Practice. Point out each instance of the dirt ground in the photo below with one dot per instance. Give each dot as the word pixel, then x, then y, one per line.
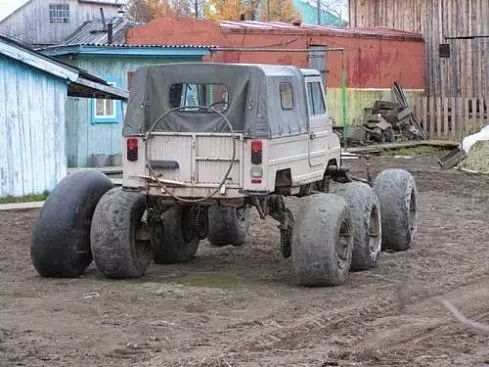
pixel 241 307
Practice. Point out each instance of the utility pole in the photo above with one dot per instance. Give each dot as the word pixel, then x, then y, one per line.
pixel 268 10
pixel 196 8
pixel 319 11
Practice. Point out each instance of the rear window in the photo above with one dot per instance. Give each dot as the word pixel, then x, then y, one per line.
pixel 286 96
pixel 189 95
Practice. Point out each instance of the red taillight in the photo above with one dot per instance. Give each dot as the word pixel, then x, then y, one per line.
pixel 256 151
pixel 132 149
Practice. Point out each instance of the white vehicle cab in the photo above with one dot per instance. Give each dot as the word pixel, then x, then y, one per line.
pixel 203 143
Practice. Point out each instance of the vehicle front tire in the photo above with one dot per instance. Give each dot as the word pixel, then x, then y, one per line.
pixel 61 240
pixel 366 224
pixel 228 226
pixel 175 238
pixel 398 196
pixel 120 237
pixel 322 242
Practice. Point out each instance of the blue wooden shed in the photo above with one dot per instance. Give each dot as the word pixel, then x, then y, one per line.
pixel 94 127
pixel 33 93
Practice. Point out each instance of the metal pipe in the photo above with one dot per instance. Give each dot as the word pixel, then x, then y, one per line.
pixel 343 97
pixel 102 16
pixel 110 34
pixel 319 11
pixel 252 49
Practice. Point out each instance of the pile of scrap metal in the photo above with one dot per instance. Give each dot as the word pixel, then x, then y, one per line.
pixel 386 122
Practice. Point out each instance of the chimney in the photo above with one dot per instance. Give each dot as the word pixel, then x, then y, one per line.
pixel 110 34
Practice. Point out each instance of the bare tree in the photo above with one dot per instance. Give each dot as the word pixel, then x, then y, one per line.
pixel 336 7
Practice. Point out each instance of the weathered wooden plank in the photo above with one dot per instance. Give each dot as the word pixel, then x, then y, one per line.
pixel 466 116
pixel 453 117
pixel 13 141
pixel 460 117
pixel 439 117
pixel 446 131
pixel 388 146
pixel 4 164
pixel 425 115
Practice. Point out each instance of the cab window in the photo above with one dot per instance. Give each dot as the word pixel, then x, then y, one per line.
pixel 315 99
pixel 286 96
pixel 190 95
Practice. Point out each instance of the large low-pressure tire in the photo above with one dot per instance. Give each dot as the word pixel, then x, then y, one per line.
pixel 366 224
pixel 322 242
pixel 120 240
pixel 228 226
pixel 61 240
pixel 175 238
pixel 397 194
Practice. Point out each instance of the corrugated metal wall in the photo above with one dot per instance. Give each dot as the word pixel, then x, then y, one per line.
pixel 32 129
pixel 85 138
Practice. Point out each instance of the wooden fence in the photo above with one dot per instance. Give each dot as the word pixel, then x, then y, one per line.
pixel 450 118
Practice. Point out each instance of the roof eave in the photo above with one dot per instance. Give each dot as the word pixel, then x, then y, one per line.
pixel 38 62
pixel 126 51
pixel 85 88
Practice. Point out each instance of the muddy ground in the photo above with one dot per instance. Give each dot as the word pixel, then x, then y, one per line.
pixel 241 307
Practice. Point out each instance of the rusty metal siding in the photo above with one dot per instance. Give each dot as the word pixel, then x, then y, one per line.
pixel 375 57
pixel 30 23
pixel 32 129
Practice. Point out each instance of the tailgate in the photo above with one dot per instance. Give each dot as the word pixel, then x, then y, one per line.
pixel 197 159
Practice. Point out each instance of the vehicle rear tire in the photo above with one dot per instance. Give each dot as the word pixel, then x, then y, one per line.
pixel 228 226
pixel 61 240
pixel 121 245
pixel 175 238
pixel 366 224
pixel 396 190
pixel 322 242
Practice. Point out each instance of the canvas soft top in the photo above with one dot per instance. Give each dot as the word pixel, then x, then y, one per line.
pixel 255 108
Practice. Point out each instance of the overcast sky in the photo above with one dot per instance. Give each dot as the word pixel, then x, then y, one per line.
pixel 8 6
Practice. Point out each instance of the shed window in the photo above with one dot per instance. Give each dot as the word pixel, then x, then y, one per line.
pixel 286 96
pixel 59 13
pixel 105 110
pixel 189 94
pixel 316 99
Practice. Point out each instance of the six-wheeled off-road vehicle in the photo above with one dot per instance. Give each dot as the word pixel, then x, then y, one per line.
pixel 203 144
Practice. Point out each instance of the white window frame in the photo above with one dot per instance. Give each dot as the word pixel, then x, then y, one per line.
pixel 58 13
pixel 114 107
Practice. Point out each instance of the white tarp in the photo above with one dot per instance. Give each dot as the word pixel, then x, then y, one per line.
pixel 470 140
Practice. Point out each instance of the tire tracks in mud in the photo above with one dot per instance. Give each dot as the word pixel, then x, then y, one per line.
pixel 348 333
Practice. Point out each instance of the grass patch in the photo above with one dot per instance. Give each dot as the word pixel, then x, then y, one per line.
pixel 417 150
pixel 24 199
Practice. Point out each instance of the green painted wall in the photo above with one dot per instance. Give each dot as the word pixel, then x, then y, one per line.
pixel 357 100
pixel 85 138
